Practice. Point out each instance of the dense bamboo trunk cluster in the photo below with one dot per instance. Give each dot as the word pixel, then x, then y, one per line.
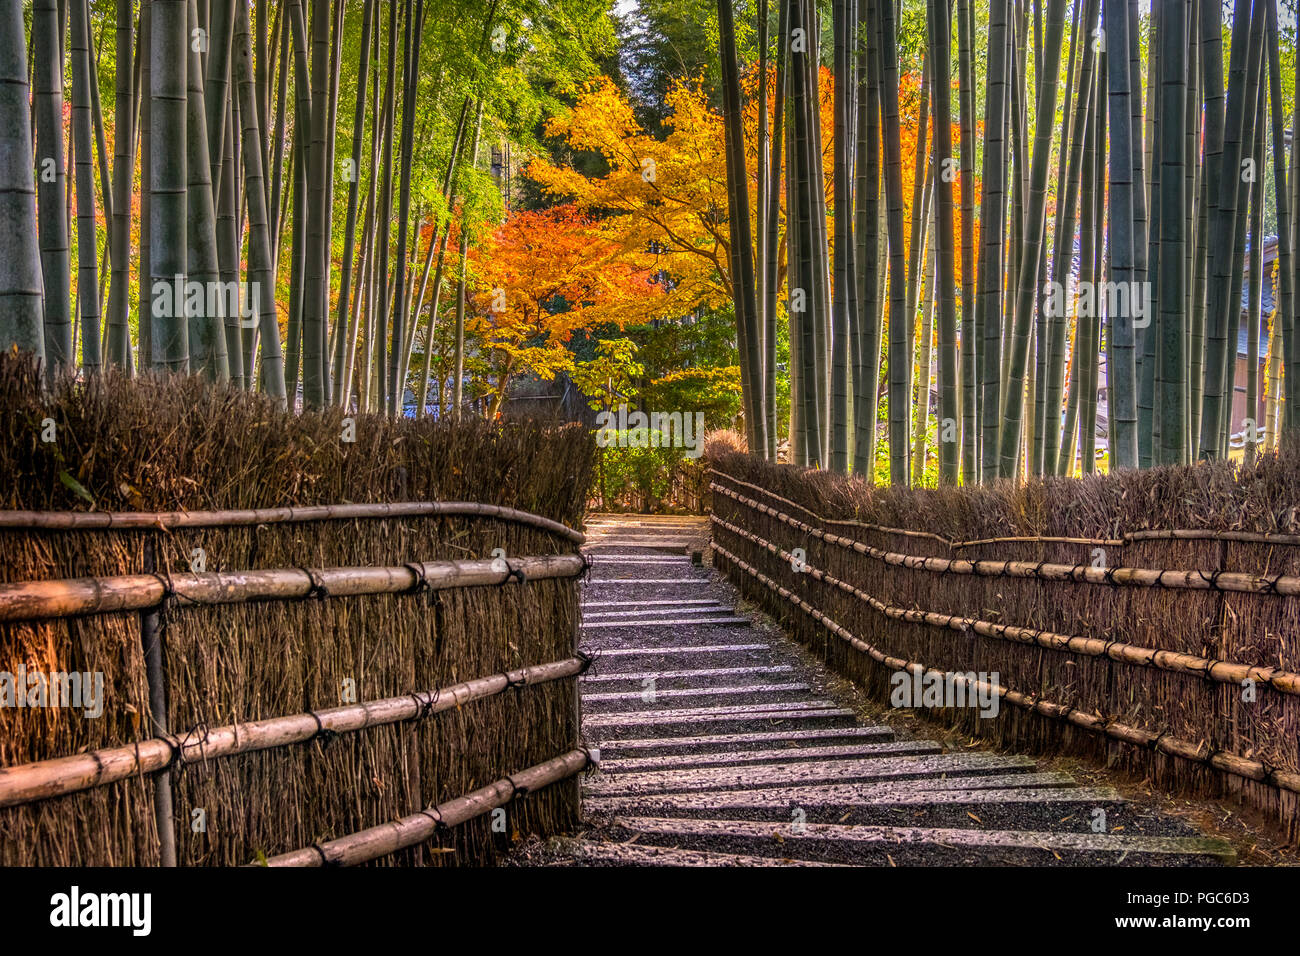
pixel 1123 249
pixel 227 112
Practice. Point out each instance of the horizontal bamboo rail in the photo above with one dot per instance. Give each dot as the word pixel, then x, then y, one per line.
pixel 866 526
pixel 62 775
pixel 1197 753
pixel 372 843
pixel 1236 581
pixel 40 600
pixel 1174 534
pixel 166 520
pixel 1225 672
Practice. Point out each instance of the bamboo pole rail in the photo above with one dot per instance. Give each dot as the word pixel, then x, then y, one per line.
pixel 397 835
pixel 62 775
pixel 1225 672
pixel 1197 753
pixel 40 600
pixel 167 520
pixel 1174 534
pixel 1236 581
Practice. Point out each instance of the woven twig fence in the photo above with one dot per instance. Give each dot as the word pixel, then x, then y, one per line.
pixel 348 530
pixel 160 756
pixel 1175 652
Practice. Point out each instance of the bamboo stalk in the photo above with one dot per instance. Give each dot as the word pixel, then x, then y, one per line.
pixel 390 837
pixel 42 600
pixel 155 675
pixel 61 775
pixel 1227 672
pixel 118 520
pixel 1230 763
pixel 1237 581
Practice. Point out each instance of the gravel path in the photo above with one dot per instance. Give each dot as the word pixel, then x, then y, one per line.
pixel 722 744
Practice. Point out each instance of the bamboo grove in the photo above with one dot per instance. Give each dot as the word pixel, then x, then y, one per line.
pixel 1124 160
pixel 247 137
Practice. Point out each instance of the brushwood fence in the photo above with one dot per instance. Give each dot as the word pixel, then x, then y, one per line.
pixel 1173 650
pixel 322 639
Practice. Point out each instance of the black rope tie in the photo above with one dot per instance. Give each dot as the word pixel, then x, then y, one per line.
pixel 178 745
pixel 317 590
pixel 438 823
pixel 516 791
pixel 421 584
pixel 426 706
pixel 323 733
pixel 324 860
pixel 516 683
pixel 512 573
pixel 587 661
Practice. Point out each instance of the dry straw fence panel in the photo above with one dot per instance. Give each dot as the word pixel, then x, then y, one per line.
pixel 439 720
pixel 1149 618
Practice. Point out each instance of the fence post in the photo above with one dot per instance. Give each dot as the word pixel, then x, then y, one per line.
pixel 151 643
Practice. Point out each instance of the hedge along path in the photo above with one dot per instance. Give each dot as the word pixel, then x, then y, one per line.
pixel 1280 584
pixel 1230 763
pixel 1226 672
pixel 42 600
pixel 166 520
pixel 61 775
pixel 1173 534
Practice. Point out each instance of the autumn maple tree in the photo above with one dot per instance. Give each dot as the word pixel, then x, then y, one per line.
pixel 539 277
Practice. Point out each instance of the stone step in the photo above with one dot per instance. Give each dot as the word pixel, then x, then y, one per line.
pixel 688 602
pixel 919 845
pixel 637 613
pixel 667 622
pixel 677 543
pixel 783 739
pixel 670 698
pixel 634 854
pixel 895 748
pixel 821 799
pixel 666 676
pixel 611 726
pixel 799 774
pixel 621 652
pixel 1064 809
pixel 641 560
pixel 694 581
